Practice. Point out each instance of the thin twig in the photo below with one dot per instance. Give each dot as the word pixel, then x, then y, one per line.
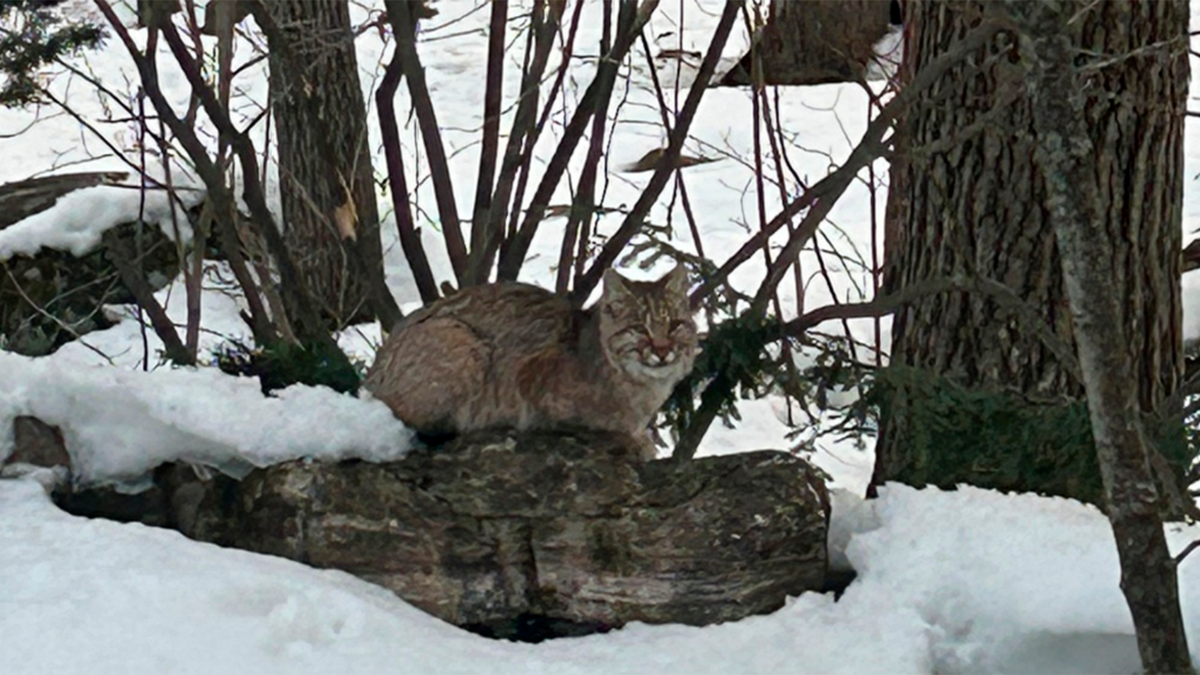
pixel 631 23
pixel 684 200
pixel 667 162
pixel 821 196
pixel 57 321
pixel 1187 551
pixel 141 215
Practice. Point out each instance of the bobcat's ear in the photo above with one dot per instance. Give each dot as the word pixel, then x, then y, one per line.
pixel 615 288
pixel 676 281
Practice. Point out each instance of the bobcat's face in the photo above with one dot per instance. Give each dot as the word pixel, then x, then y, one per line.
pixel 646 327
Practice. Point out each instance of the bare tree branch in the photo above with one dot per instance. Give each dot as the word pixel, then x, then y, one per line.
pixel 630 23
pixel 524 134
pixel 410 237
pixel 308 325
pixel 684 200
pixel 1006 298
pixel 584 201
pixel 1066 157
pixel 492 96
pixel 821 196
pixel 208 171
pixel 666 162
pixel 404 27
pixel 118 253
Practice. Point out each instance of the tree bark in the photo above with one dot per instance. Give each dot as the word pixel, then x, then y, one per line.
pixel 492 530
pixel 815 42
pixel 1065 156
pixel 971 202
pixel 325 174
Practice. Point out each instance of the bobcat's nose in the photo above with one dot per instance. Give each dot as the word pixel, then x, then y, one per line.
pixel 662 349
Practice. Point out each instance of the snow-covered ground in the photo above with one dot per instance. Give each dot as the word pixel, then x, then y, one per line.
pixel 963 582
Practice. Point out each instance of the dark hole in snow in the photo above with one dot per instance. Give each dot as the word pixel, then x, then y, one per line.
pixel 837 581
pixel 433 440
pixel 148 507
pixel 534 628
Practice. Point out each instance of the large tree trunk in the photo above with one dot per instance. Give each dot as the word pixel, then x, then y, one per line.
pixel 816 42
pixel 1066 155
pixel 324 159
pixel 968 200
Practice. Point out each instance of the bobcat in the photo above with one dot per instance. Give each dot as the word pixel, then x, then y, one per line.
pixel 511 355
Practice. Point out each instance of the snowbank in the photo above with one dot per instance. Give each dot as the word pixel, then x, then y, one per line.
pixel 952 582
pixel 79 219
pixel 119 424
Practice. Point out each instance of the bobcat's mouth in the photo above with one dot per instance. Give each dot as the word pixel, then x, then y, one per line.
pixel 655 366
pixel 644 359
pixel 653 360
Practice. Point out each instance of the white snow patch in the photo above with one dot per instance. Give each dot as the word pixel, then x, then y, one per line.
pixel 78 219
pixel 889 53
pixel 970 581
pixel 120 424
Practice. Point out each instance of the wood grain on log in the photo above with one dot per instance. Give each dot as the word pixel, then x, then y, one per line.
pixel 492 531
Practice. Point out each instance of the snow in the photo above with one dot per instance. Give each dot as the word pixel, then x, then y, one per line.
pixel 120 424
pixel 78 219
pixel 968 581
